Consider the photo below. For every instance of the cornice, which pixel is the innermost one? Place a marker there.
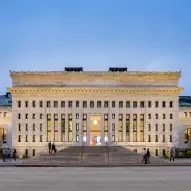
(86, 90)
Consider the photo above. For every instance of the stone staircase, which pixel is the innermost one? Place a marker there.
(91, 155)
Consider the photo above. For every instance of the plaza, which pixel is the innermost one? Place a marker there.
(96, 179)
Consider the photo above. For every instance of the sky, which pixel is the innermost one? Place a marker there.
(151, 35)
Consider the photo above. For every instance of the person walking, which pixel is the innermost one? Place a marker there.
(50, 147)
(15, 154)
(4, 153)
(172, 154)
(148, 156)
(9, 154)
(53, 148)
(144, 160)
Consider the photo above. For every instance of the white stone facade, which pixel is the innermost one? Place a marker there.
(150, 121)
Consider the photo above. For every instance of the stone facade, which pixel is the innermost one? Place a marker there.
(133, 109)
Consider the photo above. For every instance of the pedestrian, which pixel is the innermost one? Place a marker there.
(144, 160)
(50, 147)
(4, 153)
(53, 148)
(172, 154)
(9, 154)
(14, 154)
(148, 156)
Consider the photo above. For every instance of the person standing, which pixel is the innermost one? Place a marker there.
(172, 154)
(144, 160)
(53, 148)
(148, 156)
(50, 147)
(4, 153)
(15, 154)
(9, 154)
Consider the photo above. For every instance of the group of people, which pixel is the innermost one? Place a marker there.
(146, 156)
(51, 148)
(8, 154)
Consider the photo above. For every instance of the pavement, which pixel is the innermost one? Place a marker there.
(95, 179)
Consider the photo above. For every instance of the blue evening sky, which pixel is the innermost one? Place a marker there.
(138, 34)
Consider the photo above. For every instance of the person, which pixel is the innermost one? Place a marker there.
(53, 148)
(9, 154)
(144, 160)
(4, 153)
(14, 154)
(172, 153)
(148, 156)
(49, 147)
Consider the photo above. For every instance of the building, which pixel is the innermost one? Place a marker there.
(5, 118)
(115, 107)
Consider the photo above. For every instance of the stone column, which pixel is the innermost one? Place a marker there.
(66, 127)
(80, 128)
(131, 128)
(102, 129)
(124, 127)
(138, 127)
(59, 128)
(52, 127)
(88, 129)
(116, 126)
(109, 129)
(73, 127)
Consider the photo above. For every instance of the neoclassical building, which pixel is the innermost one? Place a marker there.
(75, 107)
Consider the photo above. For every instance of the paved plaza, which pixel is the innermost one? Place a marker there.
(96, 179)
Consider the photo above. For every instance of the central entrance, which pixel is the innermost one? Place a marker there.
(95, 129)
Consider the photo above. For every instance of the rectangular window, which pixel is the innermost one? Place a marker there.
(170, 138)
(26, 116)
(171, 104)
(142, 104)
(41, 103)
(113, 126)
(92, 104)
(149, 116)
(77, 115)
(26, 103)
(106, 104)
(156, 138)
(19, 138)
(33, 138)
(41, 129)
(149, 104)
(156, 104)
(33, 115)
(163, 138)
(77, 126)
(19, 116)
(55, 104)
(41, 138)
(19, 103)
(62, 104)
(77, 104)
(19, 128)
(113, 104)
(26, 127)
(135, 104)
(170, 127)
(48, 104)
(113, 115)
(185, 114)
(33, 103)
(163, 127)
(99, 104)
(70, 104)
(77, 138)
(33, 127)
(156, 127)
(149, 127)
(5, 114)
(164, 104)
(163, 116)
(149, 138)
(41, 115)
(26, 138)
(171, 116)
(156, 116)
(84, 104)
(128, 104)
(120, 104)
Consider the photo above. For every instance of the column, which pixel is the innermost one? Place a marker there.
(59, 128)
(102, 129)
(66, 127)
(138, 127)
(124, 127)
(52, 127)
(116, 126)
(131, 128)
(109, 129)
(73, 127)
(80, 128)
(88, 129)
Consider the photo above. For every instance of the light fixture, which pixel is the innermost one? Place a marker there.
(95, 122)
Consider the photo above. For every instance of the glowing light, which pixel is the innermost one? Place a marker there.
(95, 122)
